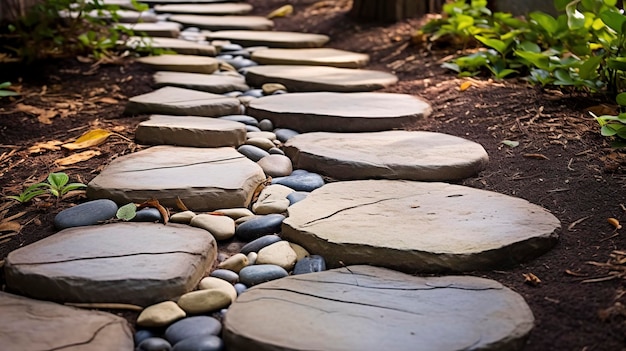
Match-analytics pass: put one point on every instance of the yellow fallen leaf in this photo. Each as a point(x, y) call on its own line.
point(52, 145)
point(281, 11)
point(465, 85)
point(531, 279)
point(79, 157)
point(91, 138)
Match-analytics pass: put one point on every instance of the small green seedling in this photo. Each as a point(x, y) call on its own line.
point(58, 184)
point(30, 193)
point(127, 212)
point(614, 126)
point(5, 92)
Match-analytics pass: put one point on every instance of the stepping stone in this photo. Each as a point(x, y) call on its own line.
point(388, 155)
point(371, 308)
point(181, 102)
point(338, 112)
point(319, 78)
point(125, 4)
point(212, 83)
point(180, 46)
point(122, 16)
point(273, 39)
point(312, 57)
point(206, 9)
point(204, 179)
point(190, 131)
point(134, 263)
point(155, 2)
point(39, 325)
point(182, 63)
point(224, 22)
point(159, 29)
point(419, 227)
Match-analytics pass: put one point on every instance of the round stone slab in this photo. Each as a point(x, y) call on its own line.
point(320, 78)
point(159, 29)
point(273, 39)
point(39, 325)
point(205, 179)
point(206, 9)
point(182, 63)
point(190, 131)
point(418, 226)
point(224, 22)
point(181, 102)
point(339, 112)
point(135, 263)
point(212, 83)
point(312, 57)
point(387, 155)
point(371, 308)
point(180, 46)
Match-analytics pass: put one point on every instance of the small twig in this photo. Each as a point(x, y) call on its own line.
point(576, 222)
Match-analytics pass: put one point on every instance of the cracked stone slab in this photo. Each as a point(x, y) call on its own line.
point(371, 308)
point(181, 102)
point(406, 155)
point(159, 29)
point(419, 226)
point(211, 83)
point(205, 179)
point(40, 325)
point(340, 112)
point(182, 63)
point(180, 46)
point(206, 9)
point(272, 39)
point(224, 22)
point(312, 57)
point(190, 131)
point(320, 78)
point(135, 263)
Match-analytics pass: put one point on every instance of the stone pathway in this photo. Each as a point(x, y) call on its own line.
point(225, 118)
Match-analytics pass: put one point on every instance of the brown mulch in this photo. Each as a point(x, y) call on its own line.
point(561, 163)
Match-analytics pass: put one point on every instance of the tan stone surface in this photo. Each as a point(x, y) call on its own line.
point(312, 56)
point(224, 22)
point(273, 39)
point(206, 9)
point(212, 83)
point(160, 315)
point(180, 46)
point(181, 102)
point(159, 29)
point(182, 63)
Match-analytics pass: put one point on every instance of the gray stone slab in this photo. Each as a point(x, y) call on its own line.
point(273, 39)
point(224, 22)
point(371, 308)
point(157, 2)
point(39, 325)
point(181, 102)
point(135, 263)
point(312, 57)
point(340, 112)
point(122, 16)
point(212, 83)
point(182, 63)
point(204, 179)
point(180, 46)
point(159, 29)
point(418, 226)
point(320, 78)
point(190, 131)
point(206, 9)
point(387, 155)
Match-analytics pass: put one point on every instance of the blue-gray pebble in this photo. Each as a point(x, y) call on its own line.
point(284, 134)
point(252, 129)
point(300, 180)
point(226, 275)
point(192, 326)
point(297, 196)
point(240, 288)
point(230, 47)
point(245, 119)
point(257, 244)
point(252, 152)
point(154, 344)
point(257, 93)
point(261, 273)
point(143, 334)
point(266, 125)
point(200, 343)
point(276, 151)
point(149, 214)
point(259, 226)
point(311, 264)
point(88, 213)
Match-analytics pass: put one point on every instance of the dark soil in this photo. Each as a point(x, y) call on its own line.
point(561, 163)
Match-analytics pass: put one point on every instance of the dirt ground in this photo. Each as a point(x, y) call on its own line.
point(561, 163)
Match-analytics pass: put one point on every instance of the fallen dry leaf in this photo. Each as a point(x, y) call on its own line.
point(575, 274)
point(10, 226)
point(281, 12)
point(107, 100)
point(465, 85)
point(79, 157)
point(531, 279)
point(180, 204)
point(91, 138)
point(52, 145)
point(537, 156)
point(603, 109)
point(43, 116)
point(614, 222)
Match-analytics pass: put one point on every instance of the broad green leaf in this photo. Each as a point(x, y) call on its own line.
point(561, 4)
point(127, 212)
point(73, 186)
point(4, 93)
point(58, 180)
point(563, 77)
point(622, 117)
point(547, 22)
point(610, 2)
point(621, 99)
point(505, 73)
point(597, 24)
point(613, 19)
point(451, 66)
point(617, 63)
point(622, 132)
point(5, 85)
point(575, 19)
point(606, 130)
point(589, 68)
point(510, 143)
point(529, 46)
point(588, 4)
point(465, 21)
point(538, 60)
point(499, 45)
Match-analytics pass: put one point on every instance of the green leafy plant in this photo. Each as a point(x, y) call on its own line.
point(57, 185)
point(29, 193)
point(614, 126)
point(5, 92)
point(127, 212)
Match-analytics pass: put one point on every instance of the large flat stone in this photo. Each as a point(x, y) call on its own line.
point(156, 2)
point(159, 29)
point(190, 131)
point(182, 63)
point(320, 78)
point(206, 9)
point(312, 57)
point(122, 16)
point(212, 83)
point(387, 155)
point(273, 39)
point(181, 102)
point(180, 46)
point(224, 22)
point(419, 227)
point(338, 112)
point(136, 263)
point(370, 308)
point(39, 325)
point(204, 179)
